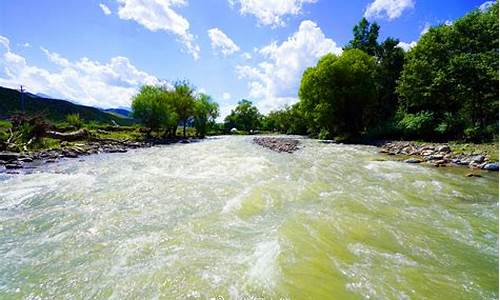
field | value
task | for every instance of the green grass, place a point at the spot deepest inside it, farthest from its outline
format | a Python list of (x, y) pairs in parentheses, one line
[(459, 147), (489, 149), (5, 124)]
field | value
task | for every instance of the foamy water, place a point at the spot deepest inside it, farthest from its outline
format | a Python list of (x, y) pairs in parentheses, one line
[(227, 218)]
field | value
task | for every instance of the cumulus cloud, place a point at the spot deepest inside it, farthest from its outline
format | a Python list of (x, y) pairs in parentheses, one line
[(221, 42), (157, 15), (271, 12), (105, 9), (390, 9), (274, 81), (110, 84), (246, 56), (486, 5), (407, 46), (226, 96)]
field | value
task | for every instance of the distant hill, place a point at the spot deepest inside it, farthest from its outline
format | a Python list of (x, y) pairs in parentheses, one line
[(121, 112), (54, 109)]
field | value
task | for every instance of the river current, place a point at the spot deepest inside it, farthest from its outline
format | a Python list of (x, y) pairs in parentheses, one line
[(227, 219)]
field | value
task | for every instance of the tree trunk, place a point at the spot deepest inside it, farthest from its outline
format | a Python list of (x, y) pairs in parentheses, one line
[(184, 130), (71, 136)]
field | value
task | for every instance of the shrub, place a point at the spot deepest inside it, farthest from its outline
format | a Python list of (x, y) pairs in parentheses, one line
[(74, 120)]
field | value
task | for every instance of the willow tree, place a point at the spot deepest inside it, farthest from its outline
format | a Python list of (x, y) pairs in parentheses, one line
[(205, 113)]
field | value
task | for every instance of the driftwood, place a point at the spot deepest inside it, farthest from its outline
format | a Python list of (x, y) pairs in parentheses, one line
[(70, 136)]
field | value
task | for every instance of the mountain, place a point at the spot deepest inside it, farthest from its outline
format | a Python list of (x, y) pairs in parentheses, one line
[(121, 112), (55, 109)]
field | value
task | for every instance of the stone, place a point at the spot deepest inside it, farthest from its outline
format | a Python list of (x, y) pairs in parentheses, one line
[(8, 156), (413, 161), (491, 167), (444, 149), (478, 159), (69, 154), (13, 166), (26, 159), (437, 157)]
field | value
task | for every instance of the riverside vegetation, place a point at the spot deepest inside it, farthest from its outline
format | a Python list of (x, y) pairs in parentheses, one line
[(444, 89)]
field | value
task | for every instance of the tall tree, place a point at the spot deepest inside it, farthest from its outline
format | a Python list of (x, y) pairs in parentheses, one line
[(205, 113), (183, 102), (244, 117), (453, 72), (365, 37), (337, 94), (151, 107)]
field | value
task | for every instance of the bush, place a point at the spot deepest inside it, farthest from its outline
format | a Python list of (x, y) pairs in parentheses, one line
[(74, 120), (419, 124)]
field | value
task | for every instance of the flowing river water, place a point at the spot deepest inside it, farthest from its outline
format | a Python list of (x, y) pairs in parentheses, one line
[(228, 219)]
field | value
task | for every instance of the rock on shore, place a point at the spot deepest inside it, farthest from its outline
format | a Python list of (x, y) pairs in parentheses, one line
[(12, 160), (438, 155), (287, 145)]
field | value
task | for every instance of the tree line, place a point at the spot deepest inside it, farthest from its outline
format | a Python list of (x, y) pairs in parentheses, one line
[(163, 108), (445, 87)]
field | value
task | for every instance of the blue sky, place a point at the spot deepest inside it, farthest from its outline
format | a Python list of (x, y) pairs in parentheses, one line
[(98, 52)]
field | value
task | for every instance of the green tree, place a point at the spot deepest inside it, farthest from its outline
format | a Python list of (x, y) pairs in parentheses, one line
[(244, 117), (453, 73), (337, 94), (151, 107), (205, 113), (74, 120), (288, 120), (365, 37), (182, 101)]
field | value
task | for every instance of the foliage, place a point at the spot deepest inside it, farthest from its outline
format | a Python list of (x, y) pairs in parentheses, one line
[(244, 117), (151, 107), (453, 72), (205, 113), (419, 124), (182, 101), (74, 120), (288, 120), (338, 94), (365, 37)]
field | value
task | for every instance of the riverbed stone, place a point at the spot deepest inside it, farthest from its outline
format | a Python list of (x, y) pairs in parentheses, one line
[(491, 166), (13, 166), (413, 161), (444, 149), (8, 156), (478, 159)]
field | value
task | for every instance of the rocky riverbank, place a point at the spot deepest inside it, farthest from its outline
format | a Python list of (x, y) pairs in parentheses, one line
[(13, 161), (287, 145), (439, 155)]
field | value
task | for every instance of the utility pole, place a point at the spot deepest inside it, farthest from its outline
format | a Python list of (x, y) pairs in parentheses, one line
[(22, 98)]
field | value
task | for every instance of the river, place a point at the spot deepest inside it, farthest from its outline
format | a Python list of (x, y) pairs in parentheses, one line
[(227, 219)]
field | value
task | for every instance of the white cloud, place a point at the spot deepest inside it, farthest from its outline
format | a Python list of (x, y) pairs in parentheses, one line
[(246, 56), (226, 96), (407, 46), (390, 9), (275, 81), (271, 12), (224, 111), (221, 42), (105, 9), (157, 15), (486, 5), (110, 84), (426, 28)]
